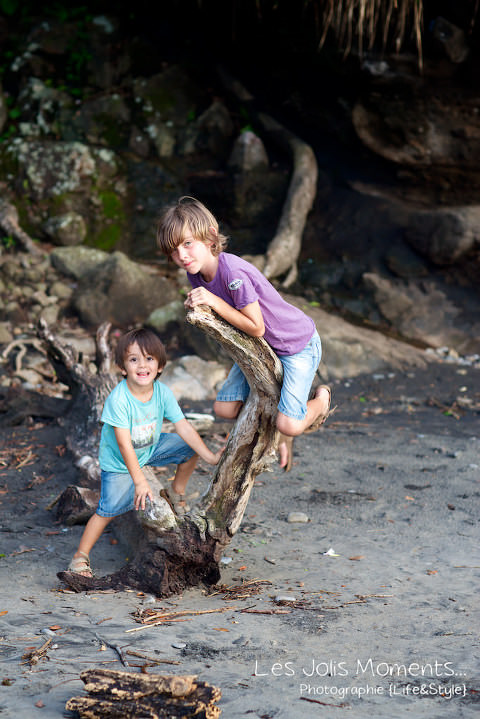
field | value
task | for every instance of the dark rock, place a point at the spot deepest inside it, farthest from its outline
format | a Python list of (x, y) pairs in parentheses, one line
[(445, 235), (77, 261), (67, 229), (451, 38), (120, 291), (405, 263)]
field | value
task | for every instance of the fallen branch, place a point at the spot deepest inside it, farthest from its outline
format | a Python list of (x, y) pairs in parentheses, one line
[(125, 695), (152, 660), (446, 409), (151, 618), (115, 647), (240, 591), (324, 704), (33, 656)]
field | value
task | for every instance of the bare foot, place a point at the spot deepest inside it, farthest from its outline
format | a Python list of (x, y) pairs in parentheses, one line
[(320, 392), (285, 450), (321, 403)]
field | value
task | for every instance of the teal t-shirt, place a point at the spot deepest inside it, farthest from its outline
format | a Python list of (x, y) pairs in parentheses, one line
[(143, 419)]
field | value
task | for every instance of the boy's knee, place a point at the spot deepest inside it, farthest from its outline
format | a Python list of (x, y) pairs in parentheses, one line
[(227, 410), (287, 425)]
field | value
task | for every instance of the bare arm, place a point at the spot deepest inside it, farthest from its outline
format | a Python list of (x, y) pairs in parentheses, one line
[(190, 435), (142, 487), (249, 318)]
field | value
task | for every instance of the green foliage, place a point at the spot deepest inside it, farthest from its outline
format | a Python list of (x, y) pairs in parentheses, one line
[(108, 237), (9, 7), (78, 54), (112, 225), (111, 129), (9, 242), (112, 206), (8, 133), (65, 12)]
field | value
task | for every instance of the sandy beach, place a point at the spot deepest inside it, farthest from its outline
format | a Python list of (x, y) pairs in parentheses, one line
[(369, 608)]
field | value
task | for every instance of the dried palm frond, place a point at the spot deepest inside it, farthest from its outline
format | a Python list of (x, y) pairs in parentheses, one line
[(366, 22)]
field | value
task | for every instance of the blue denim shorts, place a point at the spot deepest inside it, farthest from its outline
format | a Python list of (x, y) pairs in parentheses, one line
[(117, 488), (298, 373)]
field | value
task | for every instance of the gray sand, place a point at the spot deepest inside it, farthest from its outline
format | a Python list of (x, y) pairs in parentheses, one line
[(383, 619)]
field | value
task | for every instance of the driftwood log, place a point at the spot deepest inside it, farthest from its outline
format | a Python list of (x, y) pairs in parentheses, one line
[(178, 552), (130, 695), (89, 392)]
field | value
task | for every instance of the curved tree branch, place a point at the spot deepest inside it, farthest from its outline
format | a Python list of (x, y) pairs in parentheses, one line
[(283, 250)]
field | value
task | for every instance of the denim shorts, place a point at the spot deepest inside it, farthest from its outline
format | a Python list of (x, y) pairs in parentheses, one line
[(117, 488), (298, 373)]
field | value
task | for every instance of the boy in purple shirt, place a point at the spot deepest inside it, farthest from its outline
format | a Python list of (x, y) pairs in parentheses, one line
[(188, 233)]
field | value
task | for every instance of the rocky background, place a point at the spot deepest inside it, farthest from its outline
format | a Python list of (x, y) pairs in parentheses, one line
[(107, 113)]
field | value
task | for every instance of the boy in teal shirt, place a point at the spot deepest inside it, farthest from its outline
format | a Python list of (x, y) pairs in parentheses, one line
[(131, 439)]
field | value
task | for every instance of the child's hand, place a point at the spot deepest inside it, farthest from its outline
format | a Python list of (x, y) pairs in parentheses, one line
[(200, 296), (216, 456), (142, 491)]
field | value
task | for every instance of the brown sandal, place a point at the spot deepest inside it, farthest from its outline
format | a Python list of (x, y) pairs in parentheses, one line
[(176, 501), (78, 565)]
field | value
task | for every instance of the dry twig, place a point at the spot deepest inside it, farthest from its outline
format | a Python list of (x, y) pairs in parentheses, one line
[(240, 591), (152, 618), (33, 655)]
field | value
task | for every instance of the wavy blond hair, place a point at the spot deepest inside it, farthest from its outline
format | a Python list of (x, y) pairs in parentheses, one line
[(188, 214)]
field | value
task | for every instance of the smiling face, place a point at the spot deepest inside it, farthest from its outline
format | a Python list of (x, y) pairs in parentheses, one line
[(139, 369), (195, 256)]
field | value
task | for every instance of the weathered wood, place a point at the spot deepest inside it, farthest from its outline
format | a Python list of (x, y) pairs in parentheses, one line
[(76, 505), (9, 225), (17, 403), (89, 392), (252, 441), (126, 694), (178, 552)]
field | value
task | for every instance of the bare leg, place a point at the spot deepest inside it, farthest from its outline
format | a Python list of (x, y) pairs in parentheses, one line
[(91, 534), (315, 407), (183, 474), (227, 410), (290, 428)]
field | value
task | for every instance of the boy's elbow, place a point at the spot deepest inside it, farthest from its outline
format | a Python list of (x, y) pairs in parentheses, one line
[(259, 331)]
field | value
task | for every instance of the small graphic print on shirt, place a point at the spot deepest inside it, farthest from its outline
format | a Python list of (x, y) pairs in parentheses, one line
[(235, 284), (142, 435)]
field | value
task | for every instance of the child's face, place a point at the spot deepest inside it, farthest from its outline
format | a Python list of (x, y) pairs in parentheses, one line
[(140, 369), (193, 255)]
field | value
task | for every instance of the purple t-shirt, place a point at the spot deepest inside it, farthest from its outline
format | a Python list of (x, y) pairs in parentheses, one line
[(287, 329)]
